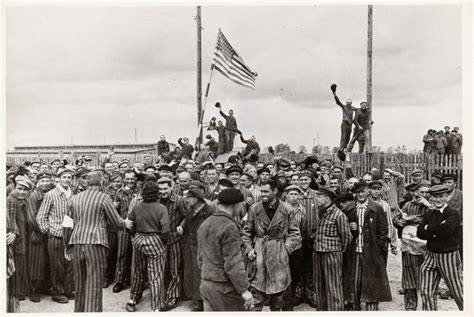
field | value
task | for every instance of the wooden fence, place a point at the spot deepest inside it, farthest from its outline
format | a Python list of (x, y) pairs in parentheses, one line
[(361, 163)]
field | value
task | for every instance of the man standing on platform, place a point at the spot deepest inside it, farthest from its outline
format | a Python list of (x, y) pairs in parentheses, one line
[(347, 118), (361, 130), (85, 235), (230, 126), (50, 219)]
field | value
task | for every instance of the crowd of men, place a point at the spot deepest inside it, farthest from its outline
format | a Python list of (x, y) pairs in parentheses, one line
[(443, 142), (232, 236)]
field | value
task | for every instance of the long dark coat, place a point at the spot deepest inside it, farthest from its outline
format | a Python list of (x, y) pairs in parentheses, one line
[(191, 272), (375, 285)]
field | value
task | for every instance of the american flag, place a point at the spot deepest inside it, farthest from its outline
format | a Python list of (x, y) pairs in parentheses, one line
[(229, 63)]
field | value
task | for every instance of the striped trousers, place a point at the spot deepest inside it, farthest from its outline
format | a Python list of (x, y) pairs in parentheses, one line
[(37, 255), (327, 280), (148, 256), (19, 282), (124, 253), (111, 258), (358, 288), (172, 274), (89, 261), (411, 279), (449, 267), (62, 275)]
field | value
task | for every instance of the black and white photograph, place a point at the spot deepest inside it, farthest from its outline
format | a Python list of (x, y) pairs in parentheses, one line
[(196, 157)]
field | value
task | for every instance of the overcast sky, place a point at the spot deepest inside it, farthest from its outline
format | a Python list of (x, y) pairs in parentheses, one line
[(85, 74)]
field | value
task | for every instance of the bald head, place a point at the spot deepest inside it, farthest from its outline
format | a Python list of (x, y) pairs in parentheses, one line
[(94, 178)]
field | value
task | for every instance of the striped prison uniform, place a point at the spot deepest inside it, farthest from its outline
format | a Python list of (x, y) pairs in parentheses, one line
[(149, 251), (113, 242), (50, 218), (211, 191), (89, 211), (333, 235), (294, 293), (449, 267), (37, 242), (16, 216), (308, 200), (412, 257), (13, 304), (392, 192), (124, 246), (176, 212), (392, 234), (440, 228)]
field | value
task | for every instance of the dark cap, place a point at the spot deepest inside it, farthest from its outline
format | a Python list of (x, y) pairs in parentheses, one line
[(437, 174), (81, 172), (293, 188), (305, 174), (230, 196), (65, 171), (423, 184), (337, 167), (438, 189), (411, 187), (225, 182), (326, 192), (197, 184), (358, 187), (234, 168), (284, 163), (417, 171), (55, 160), (446, 177), (43, 174), (114, 176), (195, 192), (343, 197), (263, 170), (375, 184)]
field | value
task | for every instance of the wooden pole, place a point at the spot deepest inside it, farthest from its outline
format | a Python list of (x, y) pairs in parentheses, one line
[(199, 73), (369, 75)]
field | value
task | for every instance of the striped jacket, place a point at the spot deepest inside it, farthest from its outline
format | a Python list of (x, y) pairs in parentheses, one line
[(51, 214), (124, 197), (177, 212), (333, 232), (90, 210), (308, 200), (392, 234), (392, 192)]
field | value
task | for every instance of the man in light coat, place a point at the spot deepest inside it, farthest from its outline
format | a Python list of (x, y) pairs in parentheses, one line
[(270, 235)]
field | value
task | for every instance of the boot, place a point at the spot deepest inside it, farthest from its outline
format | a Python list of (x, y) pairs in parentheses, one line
[(34, 294)]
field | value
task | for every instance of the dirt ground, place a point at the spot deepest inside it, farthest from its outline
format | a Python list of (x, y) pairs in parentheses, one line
[(116, 302)]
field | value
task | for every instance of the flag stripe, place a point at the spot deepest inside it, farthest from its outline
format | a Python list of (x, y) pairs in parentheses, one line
[(235, 81), (235, 65), (227, 69), (233, 71), (229, 63)]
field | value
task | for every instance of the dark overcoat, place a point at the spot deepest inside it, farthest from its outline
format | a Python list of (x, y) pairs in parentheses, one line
[(375, 284), (191, 272)]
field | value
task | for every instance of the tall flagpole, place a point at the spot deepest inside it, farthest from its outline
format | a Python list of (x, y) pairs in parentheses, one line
[(369, 76), (199, 75)]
